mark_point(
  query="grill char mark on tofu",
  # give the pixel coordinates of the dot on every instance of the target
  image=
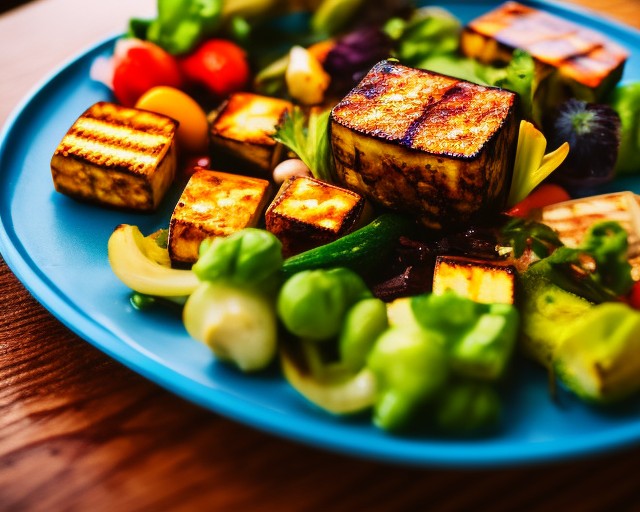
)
(117, 156)
(426, 144)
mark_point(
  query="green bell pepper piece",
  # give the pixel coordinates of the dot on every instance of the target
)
(411, 368)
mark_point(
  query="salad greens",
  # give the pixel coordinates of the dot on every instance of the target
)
(308, 137)
(180, 24)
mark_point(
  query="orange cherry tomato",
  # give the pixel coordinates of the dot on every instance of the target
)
(139, 66)
(219, 65)
(544, 195)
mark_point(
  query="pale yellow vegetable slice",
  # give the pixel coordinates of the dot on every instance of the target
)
(236, 323)
(134, 260)
(306, 80)
(333, 388)
(531, 164)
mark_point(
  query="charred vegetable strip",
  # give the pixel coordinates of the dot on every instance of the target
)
(358, 250)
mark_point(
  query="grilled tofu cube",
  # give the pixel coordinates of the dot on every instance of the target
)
(241, 133)
(481, 281)
(583, 60)
(117, 156)
(214, 204)
(426, 144)
(572, 219)
(307, 213)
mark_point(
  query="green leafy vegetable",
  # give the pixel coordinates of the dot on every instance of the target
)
(625, 100)
(309, 139)
(248, 257)
(430, 32)
(180, 24)
(598, 270)
(518, 76)
(522, 234)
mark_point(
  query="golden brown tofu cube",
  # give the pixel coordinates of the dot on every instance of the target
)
(307, 213)
(585, 60)
(214, 204)
(426, 144)
(481, 281)
(241, 133)
(117, 156)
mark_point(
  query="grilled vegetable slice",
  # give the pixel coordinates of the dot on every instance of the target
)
(355, 250)
(443, 153)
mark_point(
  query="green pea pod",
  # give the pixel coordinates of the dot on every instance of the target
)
(466, 407)
(364, 322)
(448, 313)
(411, 368)
(484, 351)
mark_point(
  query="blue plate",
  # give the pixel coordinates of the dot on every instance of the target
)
(57, 248)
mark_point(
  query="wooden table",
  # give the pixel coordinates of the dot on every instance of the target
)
(79, 431)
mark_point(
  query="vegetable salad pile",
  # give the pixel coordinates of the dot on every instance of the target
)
(353, 324)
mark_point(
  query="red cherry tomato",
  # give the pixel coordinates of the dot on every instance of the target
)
(544, 195)
(219, 65)
(633, 299)
(139, 66)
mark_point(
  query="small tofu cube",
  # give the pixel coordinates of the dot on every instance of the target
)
(307, 213)
(214, 204)
(241, 133)
(117, 156)
(478, 280)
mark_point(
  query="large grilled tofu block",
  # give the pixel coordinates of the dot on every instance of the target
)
(584, 60)
(118, 157)
(214, 204)
(242, 132)
(426, 144)
(307, 213)
(481, 281)
(572, 219)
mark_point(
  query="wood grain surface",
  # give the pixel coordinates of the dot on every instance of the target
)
(79, 431)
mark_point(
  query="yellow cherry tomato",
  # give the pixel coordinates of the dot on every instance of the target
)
(193, 132)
